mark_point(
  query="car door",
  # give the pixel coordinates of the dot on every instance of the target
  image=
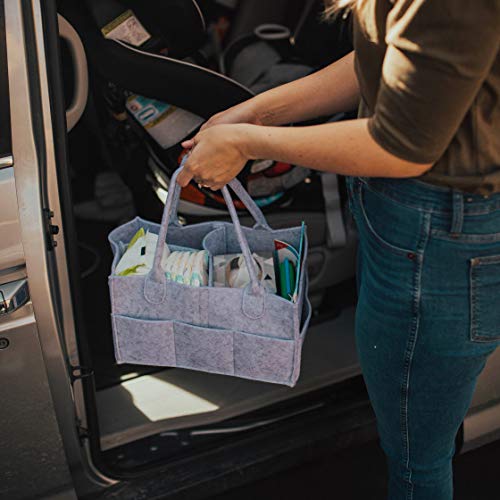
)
(40, 449)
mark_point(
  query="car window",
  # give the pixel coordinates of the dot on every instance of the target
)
(5, 132)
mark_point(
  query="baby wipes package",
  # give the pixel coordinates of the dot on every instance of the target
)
(186, 266)
(139, 255)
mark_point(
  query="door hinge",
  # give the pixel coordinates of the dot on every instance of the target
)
(51, 230)
(79, 372)
(83, 432)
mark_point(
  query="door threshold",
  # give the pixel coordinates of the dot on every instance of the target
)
(177, 399)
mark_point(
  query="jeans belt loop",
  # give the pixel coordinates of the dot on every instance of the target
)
(457, 221)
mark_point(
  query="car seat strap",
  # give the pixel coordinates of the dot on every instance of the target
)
(336, 232)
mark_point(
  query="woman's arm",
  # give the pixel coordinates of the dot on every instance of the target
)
(346, 147)
(333, 89)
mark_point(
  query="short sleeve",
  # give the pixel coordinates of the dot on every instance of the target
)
(439, 53)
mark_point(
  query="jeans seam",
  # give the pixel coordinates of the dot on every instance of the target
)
(410, 349)
(488, 209)
(466, 238)
(472, 278)
(387, 193)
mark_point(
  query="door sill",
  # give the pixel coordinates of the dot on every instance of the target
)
(177, 399)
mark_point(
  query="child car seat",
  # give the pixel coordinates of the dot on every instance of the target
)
(157, 69)
(112, 30)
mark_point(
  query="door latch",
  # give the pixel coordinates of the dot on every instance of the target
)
(51, 230)
(13, 295)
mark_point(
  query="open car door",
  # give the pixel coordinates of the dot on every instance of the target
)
(40, 445)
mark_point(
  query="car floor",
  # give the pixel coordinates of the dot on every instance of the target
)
(360, 474)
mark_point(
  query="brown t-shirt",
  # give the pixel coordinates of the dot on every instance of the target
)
(429, 73)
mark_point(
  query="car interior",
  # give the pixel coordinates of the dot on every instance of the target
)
(138, 79)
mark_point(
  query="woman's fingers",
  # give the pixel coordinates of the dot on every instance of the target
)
(194, 170)
(187, 173)
(209, 123)
(184, 179)
(185, 176)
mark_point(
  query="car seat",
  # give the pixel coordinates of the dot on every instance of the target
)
(166, 67)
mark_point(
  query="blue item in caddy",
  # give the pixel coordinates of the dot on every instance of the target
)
(250, 332)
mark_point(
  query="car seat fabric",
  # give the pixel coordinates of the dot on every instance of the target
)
(280, 74)
(337, 235)
(259, 65)
(320, 43)
(176, 27)
(251, 62)
(180, 21)
(252, 13)
(189, 86)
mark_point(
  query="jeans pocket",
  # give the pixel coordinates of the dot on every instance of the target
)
(391, 226)
(484, 296)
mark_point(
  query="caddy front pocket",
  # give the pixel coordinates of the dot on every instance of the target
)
(213, 350)
(485, 298)
(143, 342)
(172, 344)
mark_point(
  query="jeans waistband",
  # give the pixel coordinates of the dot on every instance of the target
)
(433, 198)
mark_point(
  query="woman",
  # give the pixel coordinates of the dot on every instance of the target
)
(427, 74)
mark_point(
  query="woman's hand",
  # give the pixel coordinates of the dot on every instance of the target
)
(218, 154)
(244, 112)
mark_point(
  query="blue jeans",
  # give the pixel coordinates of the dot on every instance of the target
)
(427, 319)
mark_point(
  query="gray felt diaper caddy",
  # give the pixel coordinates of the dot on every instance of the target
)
(250, 333)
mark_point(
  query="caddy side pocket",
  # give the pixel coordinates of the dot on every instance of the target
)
(485, 298)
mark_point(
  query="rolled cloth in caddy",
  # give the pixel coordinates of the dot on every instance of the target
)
(249, 332)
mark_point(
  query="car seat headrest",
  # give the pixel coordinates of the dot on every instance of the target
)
(173, 27)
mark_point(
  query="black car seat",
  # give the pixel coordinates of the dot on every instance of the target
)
(161, 69)
(156, 67)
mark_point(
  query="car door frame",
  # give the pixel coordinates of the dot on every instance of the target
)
(35, 122)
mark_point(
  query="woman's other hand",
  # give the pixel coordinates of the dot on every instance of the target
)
(218, 154)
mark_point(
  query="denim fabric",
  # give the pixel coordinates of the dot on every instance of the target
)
(427, 319)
